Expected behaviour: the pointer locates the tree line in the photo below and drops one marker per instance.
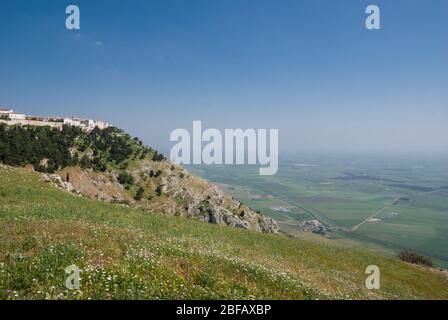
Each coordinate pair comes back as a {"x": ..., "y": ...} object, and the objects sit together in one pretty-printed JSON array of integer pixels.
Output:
[{"x": 49, "y": 149}]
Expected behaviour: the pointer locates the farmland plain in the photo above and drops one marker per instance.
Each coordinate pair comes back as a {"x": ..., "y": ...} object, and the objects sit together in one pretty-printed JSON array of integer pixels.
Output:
[{"x": 391, "y": 204}]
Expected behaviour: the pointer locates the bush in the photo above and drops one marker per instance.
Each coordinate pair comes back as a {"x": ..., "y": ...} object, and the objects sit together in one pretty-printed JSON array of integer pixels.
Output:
[
  {"x": 125, "y": 178},
  {"x": 85, "y": 162},
  {"x": 139, "y": 194},
  {"x": 158, "y": 157},
  {"x": 412, "y": 257},
  {"x": 158, "y": 173}
]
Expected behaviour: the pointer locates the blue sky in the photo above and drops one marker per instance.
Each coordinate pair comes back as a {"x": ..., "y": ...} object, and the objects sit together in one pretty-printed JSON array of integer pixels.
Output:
[{"x": 309, "y": 68}]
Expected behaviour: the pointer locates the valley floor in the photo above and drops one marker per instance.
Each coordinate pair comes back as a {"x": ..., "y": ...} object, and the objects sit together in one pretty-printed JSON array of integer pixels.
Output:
[{"x": 390, "y": 204}]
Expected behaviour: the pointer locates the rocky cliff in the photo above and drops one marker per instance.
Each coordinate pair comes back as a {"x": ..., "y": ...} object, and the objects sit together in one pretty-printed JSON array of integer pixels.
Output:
[{"x": 167, "y": 188}]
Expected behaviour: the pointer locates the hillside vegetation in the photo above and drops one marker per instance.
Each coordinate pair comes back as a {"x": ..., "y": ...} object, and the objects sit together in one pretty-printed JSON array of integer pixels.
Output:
[
  {"x": 111, "y": 166},
  {"x": 128, "y": 253},
  {"x": 49, "y": 149}
]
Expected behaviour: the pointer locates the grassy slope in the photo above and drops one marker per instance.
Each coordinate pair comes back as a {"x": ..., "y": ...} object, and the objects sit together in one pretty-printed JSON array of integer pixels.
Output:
[{"x": 131, "y": 254}]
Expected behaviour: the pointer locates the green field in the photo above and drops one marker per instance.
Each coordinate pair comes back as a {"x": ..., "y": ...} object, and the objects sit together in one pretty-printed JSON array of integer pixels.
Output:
[
  {"x": 126, "y": 253},
  {"x": 343, "y": 192}
]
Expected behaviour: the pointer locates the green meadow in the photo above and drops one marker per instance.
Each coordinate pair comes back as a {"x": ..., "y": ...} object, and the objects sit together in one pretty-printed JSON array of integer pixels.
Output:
[{"x": 125, "y": 253}]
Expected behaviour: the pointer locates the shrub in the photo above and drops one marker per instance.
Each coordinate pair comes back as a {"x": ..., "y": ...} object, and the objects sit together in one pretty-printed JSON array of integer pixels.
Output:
[
  {"x": 125, "y": 178},
  {"x": 158, "y": 173},
  {"x": 412, "y": 257},
  {"x": 85, "y": 162},
  {"x": 158, "y": 157},
  {"x": 139, "y": 194}
]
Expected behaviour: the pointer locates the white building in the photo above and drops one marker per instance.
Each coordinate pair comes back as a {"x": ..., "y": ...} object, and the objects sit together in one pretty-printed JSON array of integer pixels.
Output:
[
  {"x": 87, "y": 123},
  {"x": 72, "y": 122},
  {"x": 17, "y": 116},
  {"x": 102, "y": 125},
  {"x": 6, "y": 111}
]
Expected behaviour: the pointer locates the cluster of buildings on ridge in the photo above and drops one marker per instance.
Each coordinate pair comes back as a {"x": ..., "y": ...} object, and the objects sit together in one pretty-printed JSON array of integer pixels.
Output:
[{"x": 11, "y": 117}]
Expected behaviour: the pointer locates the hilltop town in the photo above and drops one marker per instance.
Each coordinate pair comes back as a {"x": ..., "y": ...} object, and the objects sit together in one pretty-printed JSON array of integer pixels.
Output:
[{"x": 11, "y": 117}]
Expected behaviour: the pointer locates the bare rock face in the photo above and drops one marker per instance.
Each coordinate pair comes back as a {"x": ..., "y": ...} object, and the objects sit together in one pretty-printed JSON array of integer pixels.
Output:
[
  {"x": 90, "y": 184},
  {"x": 223, "y": 216},
  {"x": 268, "y": 225},
  {"x": 207, "y": 202},
  {"x": 169, "y": 183},
  {"x": 168, "y": 189},
  {"x": 56, "y": 181}
]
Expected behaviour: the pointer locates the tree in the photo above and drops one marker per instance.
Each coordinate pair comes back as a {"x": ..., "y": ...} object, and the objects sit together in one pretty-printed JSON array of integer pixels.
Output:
[
  {"x": 125, "y": 178},
  {"x": 110, "y": 147},
  {"x": 158, "y": 157},
  {"x": 139, "y": 194}
]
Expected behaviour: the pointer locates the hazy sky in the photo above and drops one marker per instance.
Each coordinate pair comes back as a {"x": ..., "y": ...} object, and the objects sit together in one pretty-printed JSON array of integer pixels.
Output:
[{"x": 309, "y": 68}]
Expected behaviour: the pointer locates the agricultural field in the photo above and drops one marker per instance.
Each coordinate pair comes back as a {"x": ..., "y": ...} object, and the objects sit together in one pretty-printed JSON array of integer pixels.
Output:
[{"x": 389, "y": 204}]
